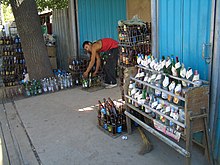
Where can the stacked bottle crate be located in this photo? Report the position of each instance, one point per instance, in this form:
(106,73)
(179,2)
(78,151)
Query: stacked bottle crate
(78,66)
(134,41)
(13,62)
(111,117)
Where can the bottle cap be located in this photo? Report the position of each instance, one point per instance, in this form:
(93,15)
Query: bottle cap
(196,72)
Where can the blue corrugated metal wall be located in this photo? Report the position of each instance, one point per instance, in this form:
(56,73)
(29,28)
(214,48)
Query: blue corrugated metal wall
(170,28)
(217,138)
(99,18)
(184,26)
(216,76)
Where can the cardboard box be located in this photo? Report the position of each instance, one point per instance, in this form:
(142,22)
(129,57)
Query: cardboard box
(53,61)
(51,51)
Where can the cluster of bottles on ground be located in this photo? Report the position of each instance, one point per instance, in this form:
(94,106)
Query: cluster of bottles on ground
(110,117)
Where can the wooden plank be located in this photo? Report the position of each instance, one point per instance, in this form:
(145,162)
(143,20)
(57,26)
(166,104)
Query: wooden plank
(195,99)
(128,121)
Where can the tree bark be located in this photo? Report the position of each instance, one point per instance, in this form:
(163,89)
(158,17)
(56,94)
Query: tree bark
(29,29)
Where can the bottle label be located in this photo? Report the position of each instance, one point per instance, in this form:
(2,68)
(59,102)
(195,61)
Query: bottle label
(175,116)
(119,129)
(159,76)
(172,86)
(152,64)
(174,72)
(158,92)
(156,66)
(177,65)
(184,84)
(154,104)
(166,82)
(169,98)
(123,49)
(159,106)
(189,73)
(183,73)
(148,61)
(164,95)
(103,111)
(195,77)
(176,100)
(178,88)
(105,126)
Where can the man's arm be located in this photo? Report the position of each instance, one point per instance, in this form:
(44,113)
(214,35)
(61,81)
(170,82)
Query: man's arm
(98,63)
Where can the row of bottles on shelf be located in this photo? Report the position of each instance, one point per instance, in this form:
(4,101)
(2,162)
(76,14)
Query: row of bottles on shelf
(110,117)
(11,51)
(153,98)
(161,81)
(171,67)
(48,85)
(9,81)
(12,75)
(18,59)
(13,66)
(129,55)
(10,40)
(171,117)
(134,33)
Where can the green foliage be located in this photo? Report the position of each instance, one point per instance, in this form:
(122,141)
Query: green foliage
(51,4)
(46,4)
(5,2)
(8,15)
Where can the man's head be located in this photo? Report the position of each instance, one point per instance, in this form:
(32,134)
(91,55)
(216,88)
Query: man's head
(87,45)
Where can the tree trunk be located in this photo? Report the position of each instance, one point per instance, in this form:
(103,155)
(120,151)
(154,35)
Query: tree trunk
(29,29)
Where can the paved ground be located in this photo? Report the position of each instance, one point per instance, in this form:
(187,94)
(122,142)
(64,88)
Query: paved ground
(61,130)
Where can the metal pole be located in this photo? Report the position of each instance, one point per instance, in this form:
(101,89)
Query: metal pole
(73,29)
(154,31)
(215,84)
(215,70)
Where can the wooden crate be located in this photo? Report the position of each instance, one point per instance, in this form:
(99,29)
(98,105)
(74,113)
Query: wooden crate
(51,51)
(53,61)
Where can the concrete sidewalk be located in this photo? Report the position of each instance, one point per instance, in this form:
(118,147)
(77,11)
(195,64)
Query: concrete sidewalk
(62,127)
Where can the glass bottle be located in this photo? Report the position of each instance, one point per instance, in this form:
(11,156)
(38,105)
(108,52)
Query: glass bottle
(171,89)
(177,92)
(189,76)
(168,66)
(165,85)
(196,79)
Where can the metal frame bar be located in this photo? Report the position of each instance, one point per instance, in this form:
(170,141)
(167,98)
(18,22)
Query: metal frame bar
(179,149)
